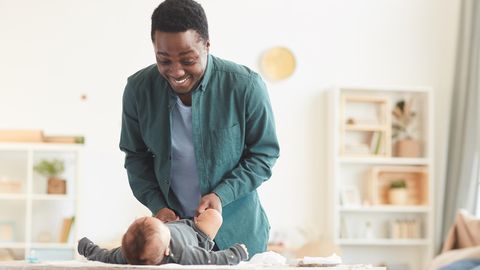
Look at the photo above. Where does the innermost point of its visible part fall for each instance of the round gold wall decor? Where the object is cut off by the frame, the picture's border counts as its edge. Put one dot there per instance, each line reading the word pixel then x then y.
pixel 277 63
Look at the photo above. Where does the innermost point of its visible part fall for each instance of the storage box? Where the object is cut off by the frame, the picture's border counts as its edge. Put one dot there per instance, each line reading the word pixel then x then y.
pixel 7 233
pixel 57 186
pixel 416 178
pixel 10 186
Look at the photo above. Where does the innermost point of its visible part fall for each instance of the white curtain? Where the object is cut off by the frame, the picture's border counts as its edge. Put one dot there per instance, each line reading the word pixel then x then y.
pixel 462 172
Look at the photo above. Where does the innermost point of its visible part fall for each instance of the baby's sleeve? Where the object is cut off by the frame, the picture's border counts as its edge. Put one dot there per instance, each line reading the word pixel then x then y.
pixel 197 255
pixel 94 253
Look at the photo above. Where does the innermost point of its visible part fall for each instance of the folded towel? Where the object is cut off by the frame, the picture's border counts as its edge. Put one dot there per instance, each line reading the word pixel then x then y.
pixel 334 259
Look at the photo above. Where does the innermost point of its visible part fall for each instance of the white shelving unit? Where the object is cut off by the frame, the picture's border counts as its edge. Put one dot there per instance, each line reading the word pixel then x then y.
pixel 367 232
pixel 30 218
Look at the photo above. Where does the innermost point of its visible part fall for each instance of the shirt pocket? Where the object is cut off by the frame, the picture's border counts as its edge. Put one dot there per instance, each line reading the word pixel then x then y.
pixel 226 144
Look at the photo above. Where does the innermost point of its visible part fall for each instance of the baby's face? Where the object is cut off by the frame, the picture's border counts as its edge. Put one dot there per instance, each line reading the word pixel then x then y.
pixel 158 243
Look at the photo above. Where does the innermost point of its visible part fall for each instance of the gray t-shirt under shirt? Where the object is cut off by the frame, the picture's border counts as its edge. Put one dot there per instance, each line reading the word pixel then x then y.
pixel 184 176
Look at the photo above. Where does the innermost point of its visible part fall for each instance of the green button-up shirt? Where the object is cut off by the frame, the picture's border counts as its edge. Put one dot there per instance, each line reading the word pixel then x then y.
pixel 234 142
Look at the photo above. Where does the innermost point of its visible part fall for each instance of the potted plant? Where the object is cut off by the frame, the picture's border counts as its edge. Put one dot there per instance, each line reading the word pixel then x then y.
pixel 52 169
pixel 397 193
pixel 403 130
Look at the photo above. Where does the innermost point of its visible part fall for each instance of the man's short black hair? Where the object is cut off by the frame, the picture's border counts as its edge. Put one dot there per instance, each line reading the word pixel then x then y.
pixel 180 16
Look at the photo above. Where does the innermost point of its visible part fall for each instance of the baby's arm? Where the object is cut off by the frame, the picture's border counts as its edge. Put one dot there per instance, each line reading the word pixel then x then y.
pixel 94 253
pixel 209 222
pixel 197 255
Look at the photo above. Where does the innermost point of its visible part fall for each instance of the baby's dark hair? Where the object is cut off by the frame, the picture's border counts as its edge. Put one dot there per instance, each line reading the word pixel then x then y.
pixel 180 16
pixel 135 242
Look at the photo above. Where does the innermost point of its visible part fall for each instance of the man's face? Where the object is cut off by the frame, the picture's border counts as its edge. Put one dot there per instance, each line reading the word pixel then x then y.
pixel 181 58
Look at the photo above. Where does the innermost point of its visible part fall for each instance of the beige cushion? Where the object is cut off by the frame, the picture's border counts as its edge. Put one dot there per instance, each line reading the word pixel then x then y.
pixel 451 256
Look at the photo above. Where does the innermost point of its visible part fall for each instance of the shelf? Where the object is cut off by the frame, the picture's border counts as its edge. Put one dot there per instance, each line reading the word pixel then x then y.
pixel 360 127
pixel 386 209
pixel 12 245
pixel 48 197
pixel 53 245
pixel 6 196
pixel 386 89
pixel 383 242
pixel 43 197
pixel 32 215
pixel 364 160
pixel 14 146
pixel 365 99
pixel 385 160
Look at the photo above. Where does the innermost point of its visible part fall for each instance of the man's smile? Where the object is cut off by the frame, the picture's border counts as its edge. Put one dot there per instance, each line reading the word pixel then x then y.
pixel 181 81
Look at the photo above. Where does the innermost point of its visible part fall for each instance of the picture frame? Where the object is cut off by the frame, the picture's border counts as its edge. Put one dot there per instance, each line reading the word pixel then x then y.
pixel 350 196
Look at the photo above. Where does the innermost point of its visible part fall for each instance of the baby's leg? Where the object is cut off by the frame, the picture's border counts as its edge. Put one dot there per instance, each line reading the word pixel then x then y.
pixel 209 222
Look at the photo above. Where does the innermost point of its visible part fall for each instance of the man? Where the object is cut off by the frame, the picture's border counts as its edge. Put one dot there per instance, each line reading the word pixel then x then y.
pixel 198 131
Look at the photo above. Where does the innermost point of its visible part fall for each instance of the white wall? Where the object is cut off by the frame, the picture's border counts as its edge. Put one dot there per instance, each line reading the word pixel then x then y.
pixel 53 51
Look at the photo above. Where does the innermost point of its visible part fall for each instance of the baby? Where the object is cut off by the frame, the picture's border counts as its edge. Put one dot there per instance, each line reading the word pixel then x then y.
pixel 150 241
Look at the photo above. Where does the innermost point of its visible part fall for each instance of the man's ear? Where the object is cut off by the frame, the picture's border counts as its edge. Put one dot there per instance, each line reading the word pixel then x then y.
pixel 167 251
pixel 207 45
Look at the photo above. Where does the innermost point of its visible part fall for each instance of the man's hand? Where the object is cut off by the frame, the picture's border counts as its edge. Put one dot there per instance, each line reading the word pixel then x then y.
pixel 166 215
pixel 210 200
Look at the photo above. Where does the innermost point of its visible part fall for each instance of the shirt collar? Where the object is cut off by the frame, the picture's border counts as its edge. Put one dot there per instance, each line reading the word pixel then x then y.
pixel 207 74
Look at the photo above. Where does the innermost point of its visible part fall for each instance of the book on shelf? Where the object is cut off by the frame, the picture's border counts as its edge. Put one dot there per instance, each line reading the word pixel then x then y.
pixel 376 142
pixel 66 229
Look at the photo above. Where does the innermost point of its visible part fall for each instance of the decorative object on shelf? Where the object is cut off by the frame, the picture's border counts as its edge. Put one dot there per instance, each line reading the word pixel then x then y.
pixel 66 228
pixel 397 194
pixel 368 233
pixel 407 148
pixel 366 125
pixel 32 257
pixel 277 63
pixel 6 254
pixel 7 231
pixel 405 229
pixel 351 121
pixel 350 196
pixel 385 179
pixel 10 186
pixel 52 170
pixel 403 130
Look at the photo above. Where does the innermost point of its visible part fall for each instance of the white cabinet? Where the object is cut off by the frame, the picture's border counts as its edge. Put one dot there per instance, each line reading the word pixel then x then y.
pixel 381 183
pixel 32 221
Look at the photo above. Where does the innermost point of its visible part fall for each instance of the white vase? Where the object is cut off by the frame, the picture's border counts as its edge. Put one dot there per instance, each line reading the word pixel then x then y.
pixel 397 196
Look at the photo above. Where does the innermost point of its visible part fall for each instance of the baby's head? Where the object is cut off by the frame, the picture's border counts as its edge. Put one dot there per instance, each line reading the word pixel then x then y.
pixel 146 241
